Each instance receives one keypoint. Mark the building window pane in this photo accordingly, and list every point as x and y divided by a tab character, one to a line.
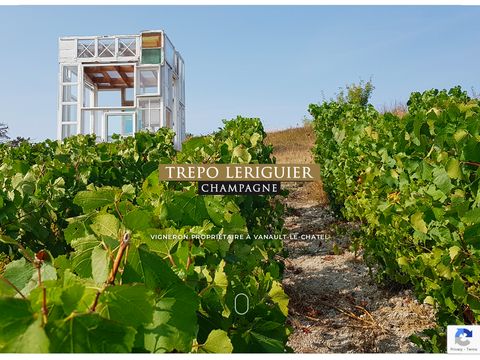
85	48
97	124
127	46
106	47
151	40
69	93
69	130
119	124
155	119
148	81
87	96
142	119
149	114
168	122
169	53
69	113
70	74
87	115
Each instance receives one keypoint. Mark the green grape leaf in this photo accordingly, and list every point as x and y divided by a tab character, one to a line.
454	251
148	268
441	179
255	138
100	264
162	246
279	297
458	288
89	333
267	344
240	154
217	342
453	169
24	275
174	325
19	273
187	209
94	199
32	340
78	294
7	239
138	220
471	217
460	134
429	300
17	316
82	257
220	279
74	231
418	223
225	214
128	304
106	225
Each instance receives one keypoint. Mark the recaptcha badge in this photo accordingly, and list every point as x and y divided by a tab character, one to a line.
463	339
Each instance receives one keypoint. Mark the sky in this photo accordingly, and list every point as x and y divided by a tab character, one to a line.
269	62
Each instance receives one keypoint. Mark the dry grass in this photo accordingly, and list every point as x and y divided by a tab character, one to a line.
294	146
398	108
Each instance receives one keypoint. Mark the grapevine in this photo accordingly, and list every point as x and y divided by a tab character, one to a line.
412	183
79	221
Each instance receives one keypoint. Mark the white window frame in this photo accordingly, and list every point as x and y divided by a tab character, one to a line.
137	80
115	57
117	113
150	99
62	103
95	107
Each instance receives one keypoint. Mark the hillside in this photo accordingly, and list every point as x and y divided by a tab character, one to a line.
293	146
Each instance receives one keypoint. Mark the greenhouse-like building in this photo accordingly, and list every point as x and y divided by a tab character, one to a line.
120	84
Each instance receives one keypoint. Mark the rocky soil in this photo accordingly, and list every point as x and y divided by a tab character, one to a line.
335	304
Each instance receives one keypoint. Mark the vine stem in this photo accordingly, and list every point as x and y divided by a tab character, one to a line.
38	265
8	282
116	264
170	258
189	260
118	211
205	289
125	242
474	163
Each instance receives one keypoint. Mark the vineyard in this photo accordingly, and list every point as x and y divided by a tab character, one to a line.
86	265
411	181
90	272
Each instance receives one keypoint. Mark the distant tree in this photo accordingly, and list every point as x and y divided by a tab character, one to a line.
356	93
3	131
18	141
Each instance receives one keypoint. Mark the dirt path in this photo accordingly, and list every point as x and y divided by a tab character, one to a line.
335	305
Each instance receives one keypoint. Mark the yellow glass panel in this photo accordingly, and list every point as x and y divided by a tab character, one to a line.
150	41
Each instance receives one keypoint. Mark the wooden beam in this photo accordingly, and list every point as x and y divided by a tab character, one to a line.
98	80
102	68
114	87
99	69
125	68
106	76
123	77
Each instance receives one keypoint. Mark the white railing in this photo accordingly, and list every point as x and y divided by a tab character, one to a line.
111	47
